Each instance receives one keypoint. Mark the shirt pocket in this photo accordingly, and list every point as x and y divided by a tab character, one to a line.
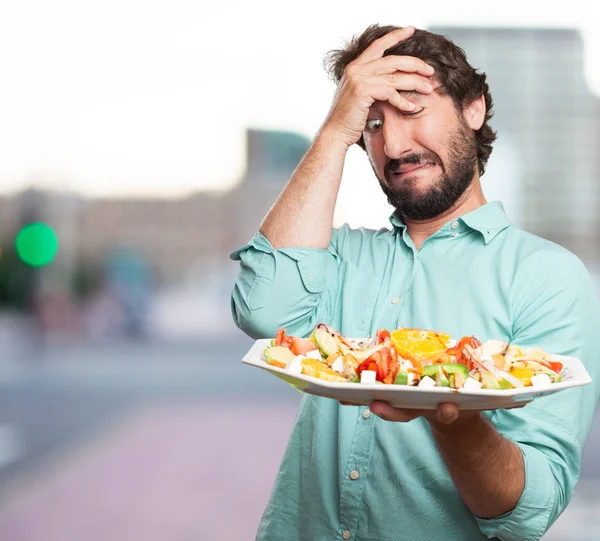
312	271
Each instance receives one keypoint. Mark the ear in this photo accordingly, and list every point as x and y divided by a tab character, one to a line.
474	113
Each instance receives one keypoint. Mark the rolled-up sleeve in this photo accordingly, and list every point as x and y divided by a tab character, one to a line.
555	307
294	288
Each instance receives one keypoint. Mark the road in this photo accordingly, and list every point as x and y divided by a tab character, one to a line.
161	442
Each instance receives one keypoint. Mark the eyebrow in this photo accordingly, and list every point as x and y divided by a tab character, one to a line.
412	95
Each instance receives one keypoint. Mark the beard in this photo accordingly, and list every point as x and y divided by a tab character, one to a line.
456	176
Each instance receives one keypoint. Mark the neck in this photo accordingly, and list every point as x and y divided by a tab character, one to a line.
420	230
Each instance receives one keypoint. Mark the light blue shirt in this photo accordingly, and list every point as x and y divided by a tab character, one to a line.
478	275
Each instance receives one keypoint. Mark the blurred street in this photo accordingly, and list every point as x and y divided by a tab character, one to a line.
161	442
128	442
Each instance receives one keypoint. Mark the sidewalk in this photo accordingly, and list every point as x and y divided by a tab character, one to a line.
193	472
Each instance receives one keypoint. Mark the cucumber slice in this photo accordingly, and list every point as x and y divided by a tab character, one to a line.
448	368
402	378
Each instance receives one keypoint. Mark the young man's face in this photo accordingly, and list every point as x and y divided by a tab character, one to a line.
424	160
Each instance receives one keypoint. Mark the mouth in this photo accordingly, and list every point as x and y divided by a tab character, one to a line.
411	168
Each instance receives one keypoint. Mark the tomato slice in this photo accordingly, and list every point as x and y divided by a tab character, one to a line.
457	350
301	346
367	364
279	336
552	365
393	365
282	340
556	366
384	363
382	336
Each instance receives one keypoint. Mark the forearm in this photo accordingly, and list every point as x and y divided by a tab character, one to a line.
303	213
487	469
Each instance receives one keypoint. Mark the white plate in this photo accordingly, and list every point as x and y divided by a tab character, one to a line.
401	396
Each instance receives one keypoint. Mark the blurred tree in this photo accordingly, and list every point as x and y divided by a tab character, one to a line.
15	280
87	278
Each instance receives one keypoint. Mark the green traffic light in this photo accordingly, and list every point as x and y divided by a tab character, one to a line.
36	244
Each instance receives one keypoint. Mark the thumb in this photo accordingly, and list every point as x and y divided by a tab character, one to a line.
447	413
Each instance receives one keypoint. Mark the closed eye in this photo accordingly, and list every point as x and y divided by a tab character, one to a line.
404	113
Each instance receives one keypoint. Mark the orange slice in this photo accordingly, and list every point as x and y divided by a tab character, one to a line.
420	345
523	374
318	369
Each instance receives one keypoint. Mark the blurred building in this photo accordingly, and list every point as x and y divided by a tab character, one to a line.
204	227
548	123
9	215
173	235
144	266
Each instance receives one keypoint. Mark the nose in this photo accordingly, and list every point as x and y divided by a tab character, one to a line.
397	137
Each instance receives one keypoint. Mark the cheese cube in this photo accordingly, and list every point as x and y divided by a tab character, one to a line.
472	385
294	367
541	380
368	376
427	382
338	365
406	366
315	354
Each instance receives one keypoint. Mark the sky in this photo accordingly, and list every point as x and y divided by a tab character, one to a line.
132	97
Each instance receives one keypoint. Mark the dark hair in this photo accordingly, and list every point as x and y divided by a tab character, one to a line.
457	77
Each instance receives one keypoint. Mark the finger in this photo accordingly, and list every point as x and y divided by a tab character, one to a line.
400	102
379	46
392	63
402	81
447	413
389	94
389	413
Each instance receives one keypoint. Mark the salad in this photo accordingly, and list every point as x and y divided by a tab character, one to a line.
414	357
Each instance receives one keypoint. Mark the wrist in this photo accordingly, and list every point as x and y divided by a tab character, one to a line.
474	437
468	425
331	139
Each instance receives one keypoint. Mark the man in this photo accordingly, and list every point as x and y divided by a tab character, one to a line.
452	262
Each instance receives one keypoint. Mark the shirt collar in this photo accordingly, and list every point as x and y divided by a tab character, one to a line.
489	219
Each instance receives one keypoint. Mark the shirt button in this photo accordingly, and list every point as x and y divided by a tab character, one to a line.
346	534
454	225
354	475
395	300
367	413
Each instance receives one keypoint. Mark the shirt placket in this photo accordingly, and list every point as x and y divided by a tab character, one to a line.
400	285
355	474
454	231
